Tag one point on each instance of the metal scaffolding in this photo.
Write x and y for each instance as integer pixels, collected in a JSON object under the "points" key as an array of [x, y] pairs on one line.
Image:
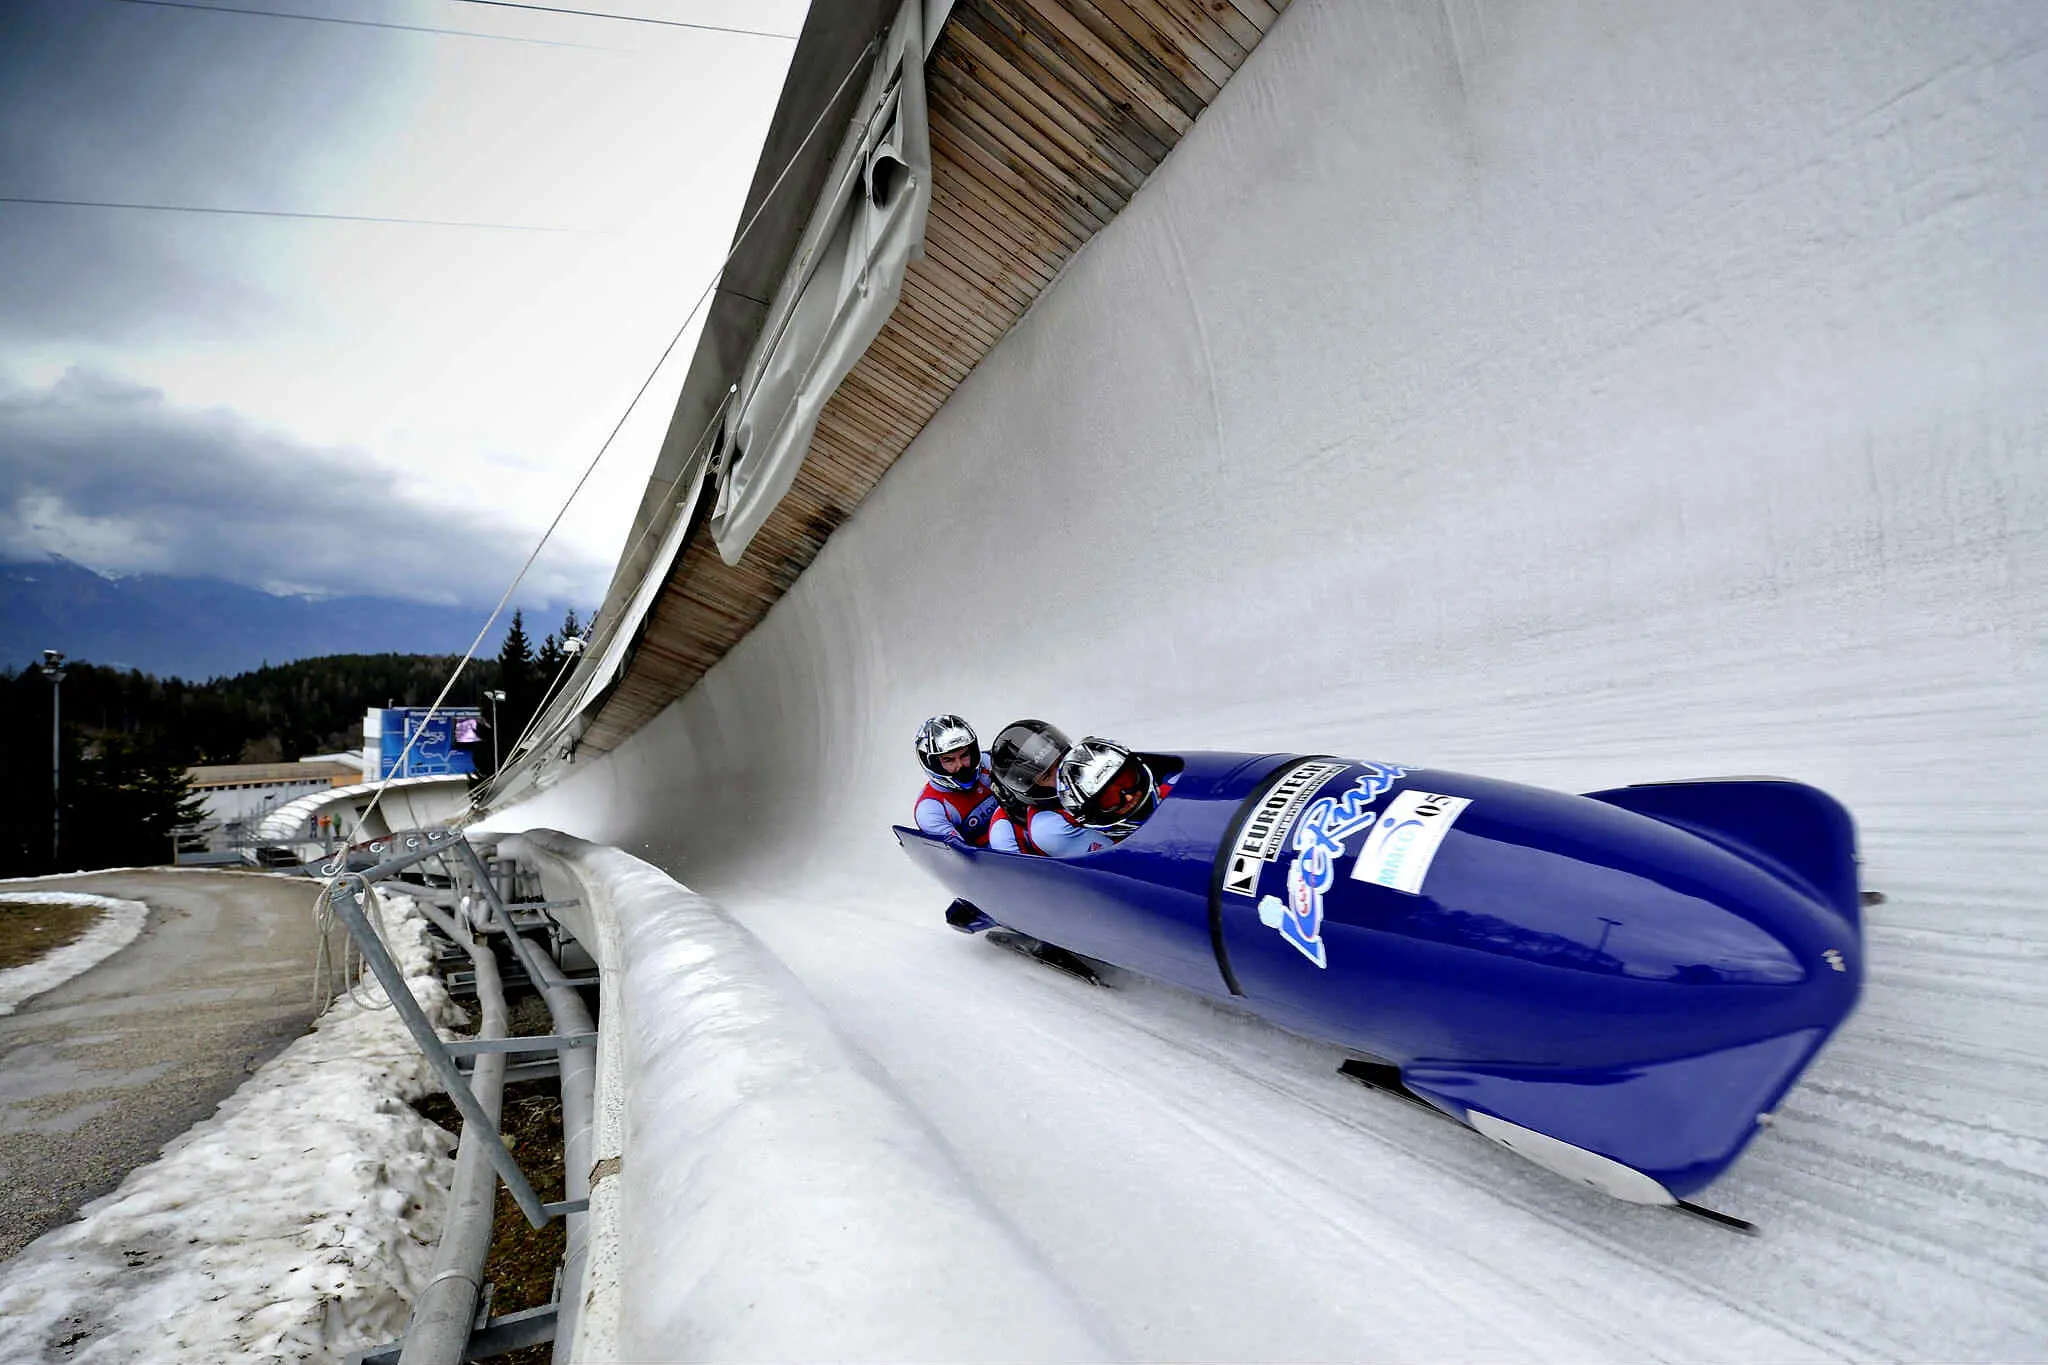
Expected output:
{"points": [[446, 1325]]}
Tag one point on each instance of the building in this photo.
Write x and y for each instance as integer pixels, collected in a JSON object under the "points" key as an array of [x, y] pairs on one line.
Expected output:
{"points": [[231, 792]]}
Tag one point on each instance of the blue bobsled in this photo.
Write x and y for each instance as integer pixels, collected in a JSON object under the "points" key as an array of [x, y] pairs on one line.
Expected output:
{"points": [[1619, 986]]}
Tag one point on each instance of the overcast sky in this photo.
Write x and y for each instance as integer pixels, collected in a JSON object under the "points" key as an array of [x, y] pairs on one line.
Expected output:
{"points": [[267, 399]]}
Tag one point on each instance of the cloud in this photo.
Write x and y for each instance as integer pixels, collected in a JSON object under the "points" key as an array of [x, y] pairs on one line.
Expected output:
{"points": [[111, 474], [139, 104]]}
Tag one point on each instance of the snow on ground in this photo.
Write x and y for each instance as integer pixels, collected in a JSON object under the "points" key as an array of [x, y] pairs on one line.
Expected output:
{"points": [[295, 1224], [119, 923]]}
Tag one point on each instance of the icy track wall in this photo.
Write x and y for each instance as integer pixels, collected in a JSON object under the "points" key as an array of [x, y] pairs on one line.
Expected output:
{"points": [[1572, 398], [1575, 394]]}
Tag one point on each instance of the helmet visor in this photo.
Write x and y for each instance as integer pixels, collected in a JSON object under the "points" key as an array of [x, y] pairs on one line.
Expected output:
{"points": [[1026, 759], [1108, 786], [1124, 793]]}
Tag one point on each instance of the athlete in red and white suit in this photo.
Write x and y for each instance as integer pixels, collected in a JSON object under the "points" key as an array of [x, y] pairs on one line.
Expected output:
{"points": [[962, 815], [958, 801], [1106, 791], [1006, 834]]}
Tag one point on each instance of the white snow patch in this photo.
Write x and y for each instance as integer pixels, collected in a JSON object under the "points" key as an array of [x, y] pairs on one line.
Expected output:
{"points": [[295, 1224], [119, 923]]}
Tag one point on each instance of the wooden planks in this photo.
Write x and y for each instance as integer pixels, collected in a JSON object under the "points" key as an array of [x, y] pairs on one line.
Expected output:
{"points": [[1046, 117]]}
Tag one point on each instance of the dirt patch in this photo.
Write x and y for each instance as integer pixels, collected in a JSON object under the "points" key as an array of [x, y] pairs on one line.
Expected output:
{"points": [[522, 1261], [29, 930]]}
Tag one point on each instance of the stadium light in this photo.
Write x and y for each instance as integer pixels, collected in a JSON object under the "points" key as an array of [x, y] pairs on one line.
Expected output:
{"points": [[494, 697], [53, 669]]}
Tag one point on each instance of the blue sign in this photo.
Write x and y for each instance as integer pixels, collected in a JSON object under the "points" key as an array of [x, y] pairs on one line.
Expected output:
{"points": [[434, 751]]}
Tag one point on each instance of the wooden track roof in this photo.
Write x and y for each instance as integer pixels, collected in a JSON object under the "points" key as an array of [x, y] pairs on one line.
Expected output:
{"points": [[1046, 116]]}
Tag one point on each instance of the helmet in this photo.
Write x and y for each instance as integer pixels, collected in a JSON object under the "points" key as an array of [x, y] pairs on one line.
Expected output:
{"points": [[1023, 761], [1105, 786], [942, 735]]}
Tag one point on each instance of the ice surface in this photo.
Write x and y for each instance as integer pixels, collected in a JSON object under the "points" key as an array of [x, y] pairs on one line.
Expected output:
{"points": [[295, 1224], [1578, 394], [780, 1200], [119, 922]]}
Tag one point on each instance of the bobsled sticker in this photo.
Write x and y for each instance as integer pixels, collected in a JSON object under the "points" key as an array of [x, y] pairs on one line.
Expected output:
{"points": [[1404, 843], [1265, 833], [1318, 843]]}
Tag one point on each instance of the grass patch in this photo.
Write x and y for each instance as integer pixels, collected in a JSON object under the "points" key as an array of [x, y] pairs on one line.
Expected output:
{"points": [[29, 930]]}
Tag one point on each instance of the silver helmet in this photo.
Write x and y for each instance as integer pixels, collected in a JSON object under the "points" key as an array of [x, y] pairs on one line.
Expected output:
{"points": [[1105, 786], [942, 735]]}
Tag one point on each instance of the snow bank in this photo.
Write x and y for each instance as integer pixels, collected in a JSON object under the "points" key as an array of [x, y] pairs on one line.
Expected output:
{"points": [[295, 1224], [116, 928], [775, 1198]]}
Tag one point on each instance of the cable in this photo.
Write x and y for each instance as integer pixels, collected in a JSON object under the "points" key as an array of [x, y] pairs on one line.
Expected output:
{"points": [[594, 647], [279, 213], [358, 23], [542, 707], [373, 916], [629, 18], [860, 58]]}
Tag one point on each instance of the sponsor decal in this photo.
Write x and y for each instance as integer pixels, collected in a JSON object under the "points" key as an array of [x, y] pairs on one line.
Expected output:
{"points": [[1404, 843], [980, 816], [1318, 843], [1265, 833]]}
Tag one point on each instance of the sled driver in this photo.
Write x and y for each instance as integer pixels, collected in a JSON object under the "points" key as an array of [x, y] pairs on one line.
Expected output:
{"points": [[1022, 765], [1105, 793], [957, 802]]}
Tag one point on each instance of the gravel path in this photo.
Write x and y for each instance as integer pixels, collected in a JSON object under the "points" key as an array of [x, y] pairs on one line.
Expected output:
{"points": [[99, 1073]]}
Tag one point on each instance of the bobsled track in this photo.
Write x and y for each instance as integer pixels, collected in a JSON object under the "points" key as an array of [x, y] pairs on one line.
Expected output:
{"points": [[1567, 394]]}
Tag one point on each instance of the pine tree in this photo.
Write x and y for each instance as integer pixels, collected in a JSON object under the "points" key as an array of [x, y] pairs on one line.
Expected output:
{"points": [[516, 675]]}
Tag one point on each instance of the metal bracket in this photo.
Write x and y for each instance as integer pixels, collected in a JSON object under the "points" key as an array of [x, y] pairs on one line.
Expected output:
{"points": [[546, 1042]]}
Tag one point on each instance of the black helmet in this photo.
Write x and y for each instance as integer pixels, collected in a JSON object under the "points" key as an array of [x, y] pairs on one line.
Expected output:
{"points": [[942, 735], [1024, 761], [1105, 786]]}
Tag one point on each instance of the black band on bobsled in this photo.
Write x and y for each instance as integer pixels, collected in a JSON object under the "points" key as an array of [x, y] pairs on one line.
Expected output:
{"points": [[1229, 843]]}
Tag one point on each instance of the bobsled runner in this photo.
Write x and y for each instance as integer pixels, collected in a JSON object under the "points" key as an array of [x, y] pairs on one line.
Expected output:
{"points": [[1619, 986]]}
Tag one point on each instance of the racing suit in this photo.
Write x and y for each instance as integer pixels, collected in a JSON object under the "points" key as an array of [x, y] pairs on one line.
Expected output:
{"points": [[1008, 834], [963, 816]]}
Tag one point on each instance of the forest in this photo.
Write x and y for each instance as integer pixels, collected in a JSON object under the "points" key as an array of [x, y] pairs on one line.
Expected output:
{"points": [[125, 738]]}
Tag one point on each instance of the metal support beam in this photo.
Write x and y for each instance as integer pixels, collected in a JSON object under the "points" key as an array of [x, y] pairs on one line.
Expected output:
{"points": [[494, 1338], [415, 846], [579, 1083], [537, 1042], [445, 1311], [519, 1073], [343, 896]]}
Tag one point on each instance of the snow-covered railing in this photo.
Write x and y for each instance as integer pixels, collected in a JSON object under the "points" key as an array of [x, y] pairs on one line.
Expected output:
{"points": [[758, 1190], [414, 802]]}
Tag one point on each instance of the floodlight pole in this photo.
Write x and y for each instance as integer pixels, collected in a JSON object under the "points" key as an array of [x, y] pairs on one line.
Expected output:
{"points": [[53, 669], [494, 698]]}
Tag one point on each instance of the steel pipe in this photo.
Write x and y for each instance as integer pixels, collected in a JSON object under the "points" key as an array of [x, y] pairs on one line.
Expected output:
{"points": [[578, 1064], [445, 1314]]}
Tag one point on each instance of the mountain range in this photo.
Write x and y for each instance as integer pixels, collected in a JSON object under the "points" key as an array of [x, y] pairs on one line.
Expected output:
{"points": [[198, 628]]}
